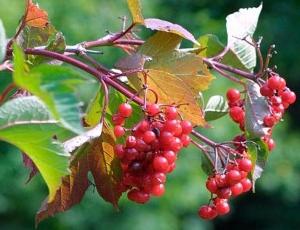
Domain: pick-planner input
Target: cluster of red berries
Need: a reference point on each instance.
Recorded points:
(280, 97)
(236, 107)
(222, 186)
(150, 149)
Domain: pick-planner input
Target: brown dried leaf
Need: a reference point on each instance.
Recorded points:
(70, 193)
(28, 163)
(35, 16)
(105, 167)
(174, 90)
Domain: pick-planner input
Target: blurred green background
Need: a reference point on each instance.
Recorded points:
(276, 203)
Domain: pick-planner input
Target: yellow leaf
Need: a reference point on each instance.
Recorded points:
(136, 11)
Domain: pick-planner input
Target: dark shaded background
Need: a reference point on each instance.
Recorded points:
(277, 202)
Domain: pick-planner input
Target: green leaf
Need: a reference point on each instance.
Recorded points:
(136, 11)
(26, 123)
(242, 25)
(2, 42)
(256, 109)
(55, 86)
(259, 153)
(212, 47)
(216, 108)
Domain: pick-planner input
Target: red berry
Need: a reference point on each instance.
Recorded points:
(125, 110)
(148, 137)
(237, 114)
(152, 109)
(176, 145)
(158, 178)
(233, 95)
(233, 176)
(269, 121)
(158, 190)
(117, 119)
(119, 131)
(279, 108)
(221, 180)
(170, 156)
(131, 154)
(119, 150)
(170, 126)
(266, 91)
(275, 100)
(141, 146)
(171, 113)
(274, 82)
(237, 189)
(207, 213)
(245, 164)
(288, 97)
(222, 207)
(211, 185)
(143, 126)
(166, 138)
(187, 127)
(130, 141)
(271, 144)
(224, 193)
(186, 140)
(160, 164)
(138, 196)
(247, 184)
(282, 84)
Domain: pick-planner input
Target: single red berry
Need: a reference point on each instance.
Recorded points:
(152, 109)
(269, 121)
(233, 95)
(274, 82)
(178, 129)
(119, 150)
(158, 190)
(237, 189)
(207, 213)
(172, 167)
(131, 154)
(266, 91)
(186, 140)
(143, 126)
(237, 114)
(288, 97)
(222, 207)
(125, 110)
(170, 156)
(247, 184)
(224, 193)
(176, 145)
(166, 138)
(276, 100)
(187, 127)
(130, 141)
(119, 131)
(211, 185)
(138, 196)
(279, 108)
(117, 119)
(148, 137)
(171, 113)
(158, 178)
(233, 176)
(271, 144)
(141, 146)
(160, 164)
(245, 164)
(170, 126)
(221, 180)
(282, 84)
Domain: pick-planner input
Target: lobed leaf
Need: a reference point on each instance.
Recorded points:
(2, 42)
(26, 123)
(216, 108)
(55, 86)
(242, 25)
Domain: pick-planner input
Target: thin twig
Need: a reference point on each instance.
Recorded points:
(6, 91)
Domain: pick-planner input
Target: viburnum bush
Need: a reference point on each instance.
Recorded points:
(144, 111)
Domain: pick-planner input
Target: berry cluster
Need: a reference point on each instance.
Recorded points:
(222, 186)
(150, 149)
(279, 97)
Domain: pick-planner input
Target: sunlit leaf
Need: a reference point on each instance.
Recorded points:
(2, 42)
(216, 108)
(242, 25)
(26, 123)
(173, 90)
(136, 11)
(35, 16)
(55, 86)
